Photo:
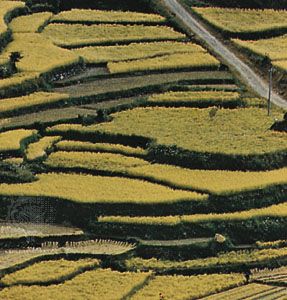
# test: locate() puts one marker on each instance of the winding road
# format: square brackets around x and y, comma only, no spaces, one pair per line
[248,75]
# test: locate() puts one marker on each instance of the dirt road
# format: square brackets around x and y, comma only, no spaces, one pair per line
[248,75]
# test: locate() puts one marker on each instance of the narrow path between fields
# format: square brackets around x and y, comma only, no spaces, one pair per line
[248,75]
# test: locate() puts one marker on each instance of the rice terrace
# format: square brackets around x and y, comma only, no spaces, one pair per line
[143,149]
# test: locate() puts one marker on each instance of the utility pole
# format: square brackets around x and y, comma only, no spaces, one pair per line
[270,90]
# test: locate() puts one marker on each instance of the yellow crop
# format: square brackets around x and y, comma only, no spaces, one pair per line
[100,147]
[31,100]
[80,35]
[187,287]
[191,96]
[98,16]
[279,210]
[97,284]
[18,79]
[230,131]
[5,8]
[11,140]
[281,64]
[172,61]
[38,149]
[99,189]
[275,48]
[214,181]
[38,53]
[94,161]
[46,271]
[15,161]
[30,23]
[243,20]
[271,244]
[228,258]
[135,51]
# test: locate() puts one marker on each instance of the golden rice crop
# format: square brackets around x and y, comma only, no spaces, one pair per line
[99,16]
[271,244]
[4,61]
[46,271]
[228,258]
[280,64]
[231,131]
[15,161]
[81,35]
[275,48]
[135,51]
[11,140]
[5,8]
[191,96]
[30,23]
[97,284]
[172,61]
[35,49]
[279,211]
[69,145]
[146,220]
[187,287]
[31,100]
[243,20]
[38,149]
[93,161]
[18,79]
[99,189]
[214,181]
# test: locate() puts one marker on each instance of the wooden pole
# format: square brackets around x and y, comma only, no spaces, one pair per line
[270,91]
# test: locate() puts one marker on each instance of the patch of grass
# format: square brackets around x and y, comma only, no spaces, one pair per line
[18,230]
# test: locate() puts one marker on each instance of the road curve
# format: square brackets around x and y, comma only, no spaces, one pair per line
[248,75]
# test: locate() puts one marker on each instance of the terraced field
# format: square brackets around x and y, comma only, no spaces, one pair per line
[264,43]
[134,164]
